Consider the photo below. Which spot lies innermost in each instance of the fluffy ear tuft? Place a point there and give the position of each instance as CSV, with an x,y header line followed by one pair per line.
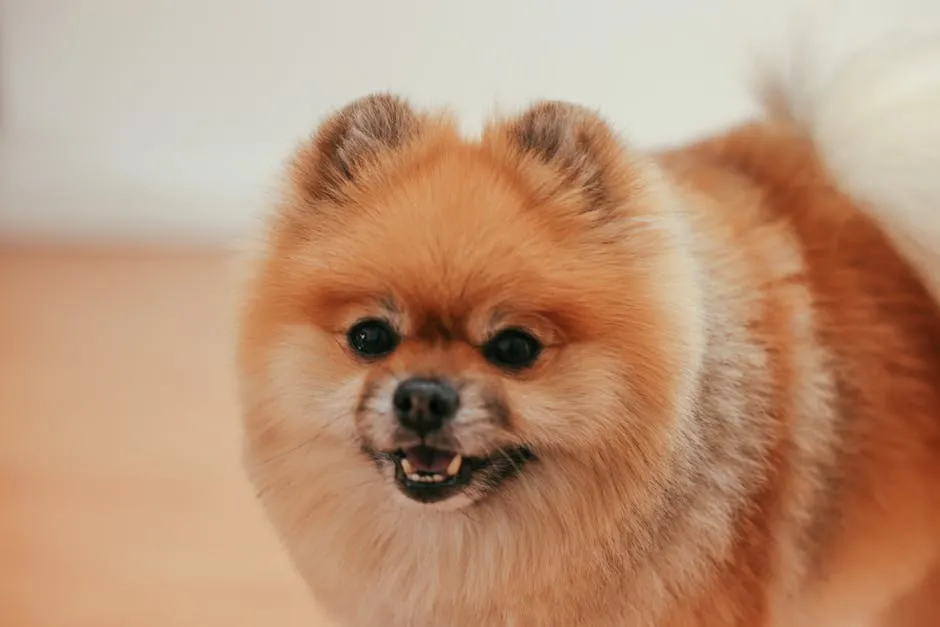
x,y
577,145
351,140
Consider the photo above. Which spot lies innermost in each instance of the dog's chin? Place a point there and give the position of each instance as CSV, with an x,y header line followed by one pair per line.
x,y
446,479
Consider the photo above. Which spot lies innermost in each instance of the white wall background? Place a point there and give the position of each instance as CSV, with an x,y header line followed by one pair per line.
x,y
168,119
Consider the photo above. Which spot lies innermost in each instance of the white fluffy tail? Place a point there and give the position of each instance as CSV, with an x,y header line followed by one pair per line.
x,y
876,123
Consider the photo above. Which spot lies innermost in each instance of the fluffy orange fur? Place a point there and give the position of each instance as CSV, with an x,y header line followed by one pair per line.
x,y
736,417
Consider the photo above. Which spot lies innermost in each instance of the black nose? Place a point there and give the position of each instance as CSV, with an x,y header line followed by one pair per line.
x,y
424,405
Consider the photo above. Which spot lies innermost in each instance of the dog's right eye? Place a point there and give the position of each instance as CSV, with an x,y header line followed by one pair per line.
x,y
512,349
372,338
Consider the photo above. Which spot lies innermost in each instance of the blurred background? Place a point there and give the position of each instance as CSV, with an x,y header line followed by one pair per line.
x,y
139,144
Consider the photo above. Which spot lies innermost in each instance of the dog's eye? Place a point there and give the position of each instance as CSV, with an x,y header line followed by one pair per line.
x,y
372,338
512,349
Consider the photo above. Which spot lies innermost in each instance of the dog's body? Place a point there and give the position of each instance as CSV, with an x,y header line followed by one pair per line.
x,y
735,418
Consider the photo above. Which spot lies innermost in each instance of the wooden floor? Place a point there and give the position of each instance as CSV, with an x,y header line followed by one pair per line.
x,y
122,503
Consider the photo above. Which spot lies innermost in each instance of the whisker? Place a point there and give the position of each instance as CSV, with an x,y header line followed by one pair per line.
x,y
468,515
509,459
306,442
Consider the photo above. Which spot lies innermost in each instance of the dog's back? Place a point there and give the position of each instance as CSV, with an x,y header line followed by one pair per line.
x,y
843,187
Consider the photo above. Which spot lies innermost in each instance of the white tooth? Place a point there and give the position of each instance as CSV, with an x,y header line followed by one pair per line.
x,y
454,466
423,478
407,467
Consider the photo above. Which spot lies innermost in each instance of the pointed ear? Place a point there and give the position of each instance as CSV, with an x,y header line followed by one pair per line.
x,y
585,159
350,141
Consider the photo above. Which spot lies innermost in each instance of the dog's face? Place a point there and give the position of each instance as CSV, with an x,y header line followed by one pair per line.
x,y
457,315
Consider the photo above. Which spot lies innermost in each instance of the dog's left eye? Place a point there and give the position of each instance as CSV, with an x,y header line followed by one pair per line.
x,y
512,349
372,338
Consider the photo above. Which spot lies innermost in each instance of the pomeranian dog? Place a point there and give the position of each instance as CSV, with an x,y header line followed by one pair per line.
x,y
543,379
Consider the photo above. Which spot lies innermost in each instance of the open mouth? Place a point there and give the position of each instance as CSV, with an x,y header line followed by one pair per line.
x,y
423,464
428,474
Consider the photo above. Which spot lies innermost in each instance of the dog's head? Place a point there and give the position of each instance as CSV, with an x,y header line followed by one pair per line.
x,y
458,314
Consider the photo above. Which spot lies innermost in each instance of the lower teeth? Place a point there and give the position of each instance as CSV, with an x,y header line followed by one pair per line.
x,y
426,478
